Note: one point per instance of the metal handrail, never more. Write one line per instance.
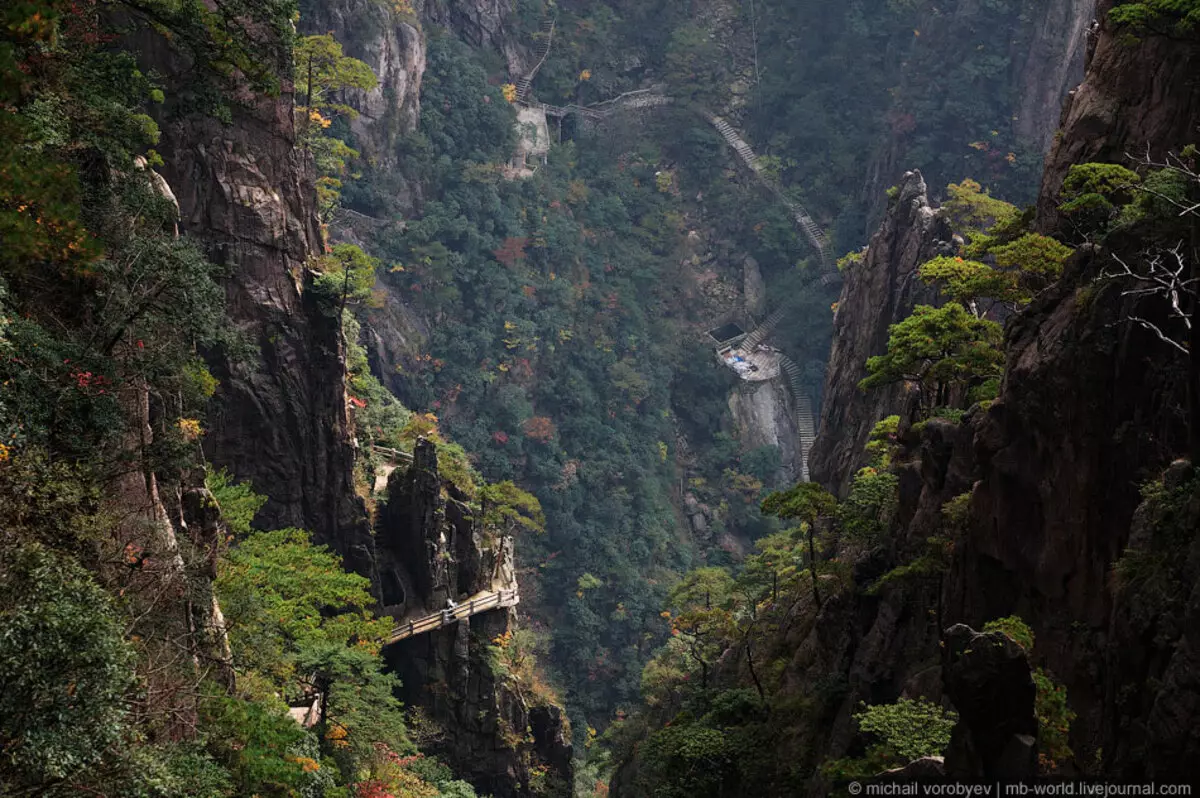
(441, 618)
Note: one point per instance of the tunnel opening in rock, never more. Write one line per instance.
(726, 332)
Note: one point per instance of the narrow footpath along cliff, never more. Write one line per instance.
(280, 417)
(487, 715)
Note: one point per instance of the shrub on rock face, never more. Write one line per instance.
(939, 350)
(685, 761)
(910, 729)
(64, 665)
(1054, 715)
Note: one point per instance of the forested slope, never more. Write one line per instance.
(1001, 573)
(555, 324)
(304, 320)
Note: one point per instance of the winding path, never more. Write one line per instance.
(655, 97)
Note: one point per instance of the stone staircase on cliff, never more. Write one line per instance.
(802, 407)
(760, 333)
(653, 97)
(542, 50)
(480, 602)
(812, 231)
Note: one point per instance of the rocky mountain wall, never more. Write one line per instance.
(490, 724)
(1087, 413)
(762, 416)
(485, 24)
(279, 418)
(1049, 66)
(879, 291)
(1140, 94)
(392, 45)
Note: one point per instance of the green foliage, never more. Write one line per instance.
(685, 761)
(968, 280)
(696, 66)
(881, 443)
(1015, 628)
(1170, 17)
(1054, 721)
(806, 502)
(185, 769)
(254, 741)
(323, 75)
(379, 417)
(101, 298)
(1054, 715)
(1009, 265)
(930, 564)
(547, 358)
(1152, 573)
(323, 71)
(776, 566)
(851, 260)
(1104, 179)
(363, 711)
(300, 627)
(1092, 194)
(1158, 200)
(239, 503)
(46, 500)
(956, 512)
(346, 272)
(199, 384)
(507, 508)
(589, 582)
(909, 729)
(825, 94)
(1033, 254)
(65, 668)
(285, 597)
(939, 349)
(971, 207)
(763, 463)
(870, 505)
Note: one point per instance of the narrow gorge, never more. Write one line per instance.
(629, 398)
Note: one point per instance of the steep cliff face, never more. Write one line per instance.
(279, 418)
(491, 725)
(879, 291)
(1085, 415)
(1049, 66)
(1088, 411)
(1138, 94)
(392, 45)
(1060, 456)
(762, 416)
(480, 23)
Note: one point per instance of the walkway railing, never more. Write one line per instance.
(481, 602)
(392, 454)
